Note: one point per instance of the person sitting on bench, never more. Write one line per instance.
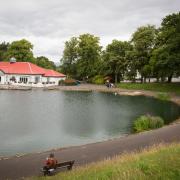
(51, 163)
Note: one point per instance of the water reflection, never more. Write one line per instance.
(39, 120)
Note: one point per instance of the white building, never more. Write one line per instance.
(28, 74)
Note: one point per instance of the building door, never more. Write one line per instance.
(37, 79)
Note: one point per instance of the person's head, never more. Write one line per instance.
(51, 155)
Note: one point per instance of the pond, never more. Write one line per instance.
(37, 120)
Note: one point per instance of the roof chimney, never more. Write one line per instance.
(12, 60)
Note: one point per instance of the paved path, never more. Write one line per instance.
(29, 165)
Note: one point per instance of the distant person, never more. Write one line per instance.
(51, 163)
(108, 83)
(111, 85)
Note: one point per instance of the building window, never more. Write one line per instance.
(23, 80)
(13, 79)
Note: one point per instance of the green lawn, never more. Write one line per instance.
(160, 87)
(160, 162)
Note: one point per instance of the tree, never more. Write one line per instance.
(131, 71)
(21, 50)
(3, 51)
(166, 54)
(89, 52)
(143, 41)
(115, 59)
(45, 63)
(70, 55)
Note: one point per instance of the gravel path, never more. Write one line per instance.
(29, 165)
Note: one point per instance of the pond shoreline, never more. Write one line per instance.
(31, 162)
(92, 87)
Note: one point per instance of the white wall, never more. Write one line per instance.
(2, 81)
(31, 80)
(52, 80)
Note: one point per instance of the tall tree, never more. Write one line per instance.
(21, 50)
(45, 63)
(166, 55)
(89, 52)
(143, 41)
(115, 59)
(3, 51)
(131, 71)
(70, 55)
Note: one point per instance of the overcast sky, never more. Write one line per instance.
(49, 23)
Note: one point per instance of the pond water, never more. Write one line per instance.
(32, 121)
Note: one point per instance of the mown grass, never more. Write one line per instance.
(158, 162)
(160, 87)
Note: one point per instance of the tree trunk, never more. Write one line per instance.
(134, 80)
(157, 79)
(116, 78)
(170, 78)
(141, 79)
(144, 79)
(162, 79)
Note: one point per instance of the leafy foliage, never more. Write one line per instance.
(143, 41)
(115, 59)
(3, 51)
(88, 55)
(147, 122)
(166, 54)
(45, 63)
(81, 56)
(163, 96)
(98, 79)
(69, 82)
(21, 50)
(70, 55)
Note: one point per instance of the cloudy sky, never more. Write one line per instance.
(49, 23)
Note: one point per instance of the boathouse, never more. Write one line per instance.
(28, 74)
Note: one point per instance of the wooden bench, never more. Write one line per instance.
(67, 164)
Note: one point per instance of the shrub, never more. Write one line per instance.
(68, 82)
(163, 96)
(147, 122)
(98, 79)
(61, 82)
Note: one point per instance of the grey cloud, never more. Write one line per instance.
(48, 23)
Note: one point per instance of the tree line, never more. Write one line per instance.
(151, 53)
(22, 50)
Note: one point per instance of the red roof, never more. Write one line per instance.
(27, 68)
(52, 73)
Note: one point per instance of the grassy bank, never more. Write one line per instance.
(159, 162)
(160, 87)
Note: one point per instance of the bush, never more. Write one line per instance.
(163, 96)
(68, 82)
(61, 82)
(98, 79)
(147, 122)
